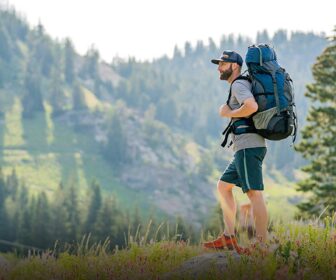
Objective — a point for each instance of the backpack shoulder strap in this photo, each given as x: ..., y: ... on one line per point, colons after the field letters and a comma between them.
x: 231, y: 127
x: 240, y: 77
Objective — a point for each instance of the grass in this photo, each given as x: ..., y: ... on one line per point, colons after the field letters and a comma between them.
x: 45, y: 151
x: 296, y: 250
x: 192, y: 150
x: 13, y: 135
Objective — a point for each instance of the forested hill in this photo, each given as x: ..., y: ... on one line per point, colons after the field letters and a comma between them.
x: 147, y: 131
x: 186, y: 92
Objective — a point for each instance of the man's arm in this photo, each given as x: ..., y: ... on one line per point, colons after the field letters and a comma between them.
x: 248, y: 108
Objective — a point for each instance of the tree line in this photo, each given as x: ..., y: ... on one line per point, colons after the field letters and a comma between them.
x: 39, y: 220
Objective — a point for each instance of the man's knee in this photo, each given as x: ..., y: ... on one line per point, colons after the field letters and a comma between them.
x: 255, y: 194
x: 224, y: 186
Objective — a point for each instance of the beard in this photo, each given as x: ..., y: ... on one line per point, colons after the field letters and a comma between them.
x: 226, y: 74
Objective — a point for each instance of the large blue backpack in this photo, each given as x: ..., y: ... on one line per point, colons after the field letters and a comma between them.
x: 273, y: 91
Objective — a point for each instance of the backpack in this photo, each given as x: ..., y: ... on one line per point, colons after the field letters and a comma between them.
x: 272, y: 89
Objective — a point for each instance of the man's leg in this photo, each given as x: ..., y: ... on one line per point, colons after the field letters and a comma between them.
x: 259, y: 213
x: 228, y: 205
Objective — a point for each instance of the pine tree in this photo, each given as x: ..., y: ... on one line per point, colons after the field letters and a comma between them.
x: 263, y: 37
x: 90, y: 66
x: 318, y: 143
x: 4, y: 229
x: 23, y: 234
x: 177, y: 53
x: 32, y: 100
x: 73, y: 219
x: 58, y: 98
x: 115, y: 150
x: 59, y: 215
x: 5, y: 50
x: 41, y: 222
x: 69, y: 54
x: 106, y: 225
x: 94, y: 207
x: 42, y: 51
x: 12, y: 183
x: 78, y: 98
x: 136, y: 224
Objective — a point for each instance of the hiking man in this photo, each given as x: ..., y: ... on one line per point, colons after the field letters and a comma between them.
x: 245, y: 169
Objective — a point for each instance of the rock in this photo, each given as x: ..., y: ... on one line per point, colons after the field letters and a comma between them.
x: 198, y: 267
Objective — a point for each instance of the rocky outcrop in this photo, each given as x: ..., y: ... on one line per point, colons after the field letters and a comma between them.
x: 201, y: 266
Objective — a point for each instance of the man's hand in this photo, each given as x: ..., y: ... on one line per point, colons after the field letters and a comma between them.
x: 225, y: 110
x: 248, y: 108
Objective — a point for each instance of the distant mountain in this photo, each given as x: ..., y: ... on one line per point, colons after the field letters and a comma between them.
x: 149, y: 132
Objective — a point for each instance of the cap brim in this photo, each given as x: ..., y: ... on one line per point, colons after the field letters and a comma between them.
x: 216, y: 61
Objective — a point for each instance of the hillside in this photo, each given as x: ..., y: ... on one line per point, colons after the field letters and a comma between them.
x: 294, y: 251
x: 148, y: 132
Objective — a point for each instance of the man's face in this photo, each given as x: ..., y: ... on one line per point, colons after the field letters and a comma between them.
x: 225, y: 70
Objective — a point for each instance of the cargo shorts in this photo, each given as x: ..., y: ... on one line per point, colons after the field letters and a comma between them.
x: 245, y: 169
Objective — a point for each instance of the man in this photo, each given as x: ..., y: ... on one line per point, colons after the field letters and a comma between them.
x: 245, y: 169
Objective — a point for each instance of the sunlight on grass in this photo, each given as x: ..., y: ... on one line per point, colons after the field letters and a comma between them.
x: 50, y: 124
x: 295, y: 250
x: 13, y: 126
x: 90, y: 99
x: 81, y: 174
x: 192, y: 150
x: 40, y: 173
x: 12, y: 158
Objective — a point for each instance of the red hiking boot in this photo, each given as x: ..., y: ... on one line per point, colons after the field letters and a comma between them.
x: 223, y: 242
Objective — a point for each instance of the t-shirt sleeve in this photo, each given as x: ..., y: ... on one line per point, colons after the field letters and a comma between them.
x: 242, y: 91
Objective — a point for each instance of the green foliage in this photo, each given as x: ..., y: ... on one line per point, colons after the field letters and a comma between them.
x: 38, y: 221
x: 78, y: 102
x: 69, y: 56
x: 90, y: 66
x: 95, y: 205
x: 58, y: 99
x: 116, y: 148
x: 318, y: 137
x: 300, y: 250
x: 32, y: 101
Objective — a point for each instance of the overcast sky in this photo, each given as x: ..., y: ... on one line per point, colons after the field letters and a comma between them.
x: 148, y: 29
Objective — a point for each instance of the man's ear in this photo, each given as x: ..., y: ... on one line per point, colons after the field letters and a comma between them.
x: 235, y: 66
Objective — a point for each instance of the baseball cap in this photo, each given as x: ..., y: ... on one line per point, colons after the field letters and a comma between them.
x: 229, y: 56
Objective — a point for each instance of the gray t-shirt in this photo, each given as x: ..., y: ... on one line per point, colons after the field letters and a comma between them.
x: 240, y: 91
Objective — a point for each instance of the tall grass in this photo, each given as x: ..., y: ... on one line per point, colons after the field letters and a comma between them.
x: 297, y: 250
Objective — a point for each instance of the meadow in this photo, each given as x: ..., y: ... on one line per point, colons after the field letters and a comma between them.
x: 294, y: 250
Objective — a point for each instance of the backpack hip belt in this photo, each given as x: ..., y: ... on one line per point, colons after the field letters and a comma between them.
x: 238, y: 127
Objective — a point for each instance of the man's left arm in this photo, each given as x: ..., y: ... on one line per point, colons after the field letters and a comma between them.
x: 248, y: 108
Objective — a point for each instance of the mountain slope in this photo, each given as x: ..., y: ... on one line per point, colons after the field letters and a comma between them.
x: 147, y: 131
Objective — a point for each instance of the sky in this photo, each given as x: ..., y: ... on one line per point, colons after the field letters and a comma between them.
x: 148, y: 29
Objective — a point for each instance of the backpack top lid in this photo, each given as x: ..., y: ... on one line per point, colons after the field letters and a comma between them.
x: 259, y: 54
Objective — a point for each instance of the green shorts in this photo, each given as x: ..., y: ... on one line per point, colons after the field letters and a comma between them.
x: 245, y: 169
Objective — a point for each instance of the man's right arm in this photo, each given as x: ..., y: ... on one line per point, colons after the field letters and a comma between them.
x: 248, y: 107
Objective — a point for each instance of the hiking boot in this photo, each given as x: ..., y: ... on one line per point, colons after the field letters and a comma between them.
x: 222, y: 242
